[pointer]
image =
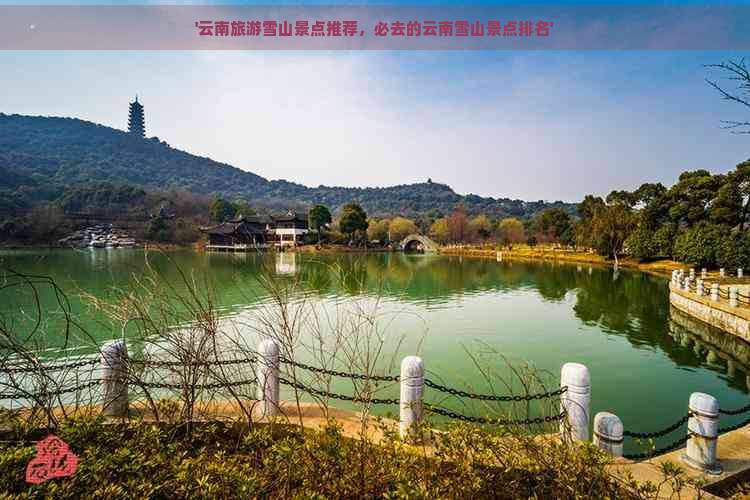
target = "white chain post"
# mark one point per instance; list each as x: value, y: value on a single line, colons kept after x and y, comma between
x: 733, y: 302
x: 739, y: 272
x: 703, y: 429
x: 704, y: 273
x: 608, y: 433
x: 575, y: 402
x: 674, y: 276
x: 114, y: 384
x: 412, y: 390
x: 721, y: 272
x: 692, y: 273
x: 268, y: 378
x: 715, y: 292
x: 699, y: 288
x: 686, y: 284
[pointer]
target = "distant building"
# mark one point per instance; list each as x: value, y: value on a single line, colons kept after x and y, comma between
x: 241, y: 233
x: 257, y: 232
x: 136, y: 123
x: 289, y: 228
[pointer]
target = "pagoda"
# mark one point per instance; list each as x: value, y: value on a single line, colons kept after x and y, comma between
x: 136, y: 124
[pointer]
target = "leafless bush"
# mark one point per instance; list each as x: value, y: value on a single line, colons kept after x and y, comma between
x: 32, y: 376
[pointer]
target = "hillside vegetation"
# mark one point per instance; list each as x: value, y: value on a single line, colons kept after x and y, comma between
x: 40, y: 157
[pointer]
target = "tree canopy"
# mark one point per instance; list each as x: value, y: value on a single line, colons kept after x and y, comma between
x: 353, y: 218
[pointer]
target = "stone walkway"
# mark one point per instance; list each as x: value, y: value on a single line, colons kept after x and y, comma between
x: 733, y: 452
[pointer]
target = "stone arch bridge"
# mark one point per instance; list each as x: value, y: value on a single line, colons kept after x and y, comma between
x: 417, y: 242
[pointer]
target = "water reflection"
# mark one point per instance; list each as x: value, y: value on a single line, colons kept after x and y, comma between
x: 699, y: 344
x: 545, y: 313
x: 286, y: 263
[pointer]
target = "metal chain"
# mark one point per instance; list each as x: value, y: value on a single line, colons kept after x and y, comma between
x: 333, y: 395
x: 21, y: 395
x: 496, y: 421
x: 492, y: 397
x: 738, y: 411
x: 32, y: 369
x: 663, y: 432
x: 217, y: 385
x: 161, y: 364
x: 735, y: 426
x: 356, y: 376
x: 670, y: 447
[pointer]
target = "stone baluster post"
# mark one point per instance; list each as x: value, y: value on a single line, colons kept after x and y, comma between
x: 715, y: 292
x: 703, y: 429
x: 733, y: 302
x: 739, y: 272
x: 674, y: 276
x: 412, y: 390
x: 704, y: 273
x: 575, y: 402
x: 608, y: 433
x: 699, y: 288
x: 268, y: 378
x: 692, y: 273
x: 114, y: 383
x: 721, y: 272
x: 686, y: 283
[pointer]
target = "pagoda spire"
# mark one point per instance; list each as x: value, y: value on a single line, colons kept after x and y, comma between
x: 136, y: 122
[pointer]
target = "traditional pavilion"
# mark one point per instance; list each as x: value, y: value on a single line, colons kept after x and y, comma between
x: 136, y: 122
x: 240, y: 233
x: 289, y: 228
x: 257, y: 232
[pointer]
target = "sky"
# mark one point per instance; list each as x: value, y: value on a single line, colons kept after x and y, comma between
x: 553, y: 125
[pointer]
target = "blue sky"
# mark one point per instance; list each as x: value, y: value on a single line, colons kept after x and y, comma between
x: 523, y: 124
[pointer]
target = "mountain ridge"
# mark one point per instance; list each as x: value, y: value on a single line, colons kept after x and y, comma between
x: 40, y: 156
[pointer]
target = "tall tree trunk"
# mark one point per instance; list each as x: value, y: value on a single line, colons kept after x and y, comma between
x: 745, y: 210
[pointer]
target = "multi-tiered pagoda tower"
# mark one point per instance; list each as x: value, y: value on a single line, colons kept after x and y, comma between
x: 136, y: 124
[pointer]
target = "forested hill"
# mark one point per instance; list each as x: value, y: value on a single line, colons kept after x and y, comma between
x: 41, y: 156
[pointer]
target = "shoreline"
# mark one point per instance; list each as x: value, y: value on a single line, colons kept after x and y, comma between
x: 661, y: 267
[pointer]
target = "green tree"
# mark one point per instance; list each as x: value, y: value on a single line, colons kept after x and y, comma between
x: 377, y: 230
x: 353, y: 218
x: 402, y: 227
x: 221, y: 210
x: 701, y: 244
x: 610, y: 227
x: 319, y: 216
x: 554, y: 224
x: 439, y: 231
x: 481, y: 227
x: 690, y: 199
x: 510, y: 230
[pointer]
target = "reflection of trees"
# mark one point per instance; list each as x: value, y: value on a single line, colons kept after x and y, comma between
x: 703, y: 345
x: 635, y: 305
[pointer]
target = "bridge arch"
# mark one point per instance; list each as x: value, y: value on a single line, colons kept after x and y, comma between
x: 417, y: 242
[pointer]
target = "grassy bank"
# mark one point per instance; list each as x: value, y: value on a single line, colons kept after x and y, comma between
x: 222, y: 460
x: 549, y: 253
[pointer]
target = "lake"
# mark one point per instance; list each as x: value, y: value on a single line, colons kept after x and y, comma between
x: 464, y: 316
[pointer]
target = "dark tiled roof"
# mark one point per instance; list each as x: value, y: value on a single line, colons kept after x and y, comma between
x: 290, y: 216
x: 257, y: 219
x: 232, y: 228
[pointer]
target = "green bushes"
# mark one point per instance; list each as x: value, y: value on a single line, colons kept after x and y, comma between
x: 700, y: 244
x: 140, y: 460
x: 648, y: 243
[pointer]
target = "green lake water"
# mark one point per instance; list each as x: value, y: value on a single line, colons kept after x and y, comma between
x: 458, y: 314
